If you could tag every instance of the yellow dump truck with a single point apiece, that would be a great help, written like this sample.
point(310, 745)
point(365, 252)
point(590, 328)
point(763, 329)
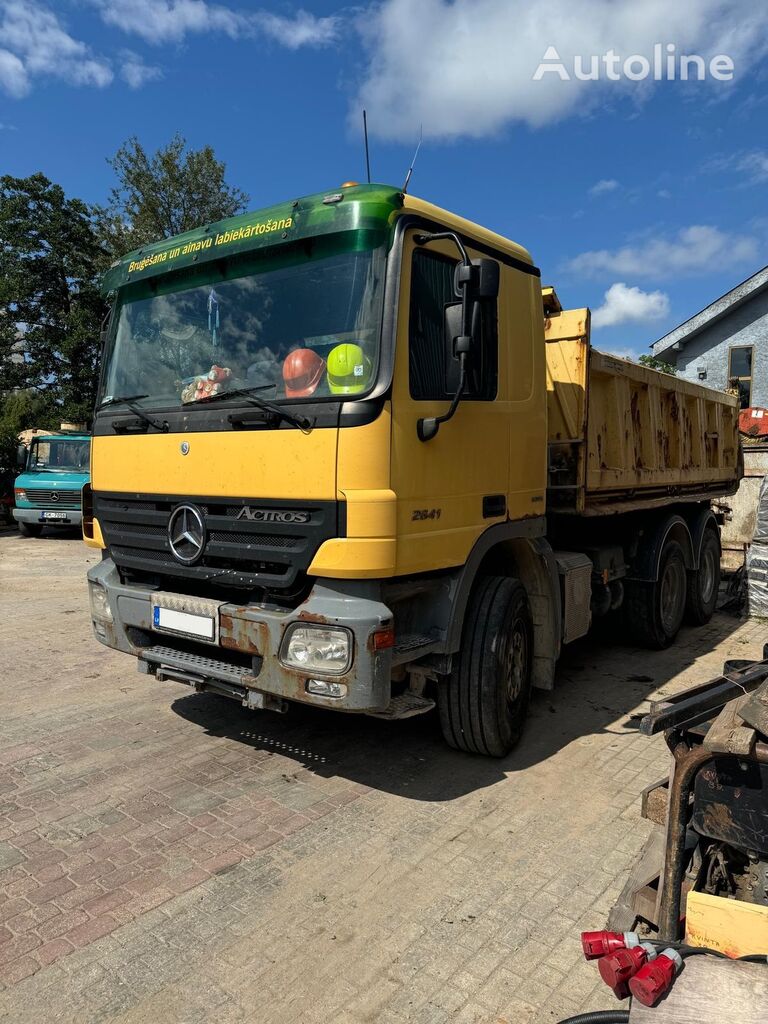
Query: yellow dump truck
point(348, 453)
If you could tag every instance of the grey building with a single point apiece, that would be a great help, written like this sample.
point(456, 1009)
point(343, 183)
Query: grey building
point(726, 344)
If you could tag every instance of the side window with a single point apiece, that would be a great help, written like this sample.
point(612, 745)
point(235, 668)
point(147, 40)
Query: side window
point(433, 371)
point(740, 373)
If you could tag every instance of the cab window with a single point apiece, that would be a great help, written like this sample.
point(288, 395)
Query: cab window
point(432, 366)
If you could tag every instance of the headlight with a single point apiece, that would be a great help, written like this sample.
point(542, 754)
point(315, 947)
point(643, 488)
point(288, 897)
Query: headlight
point(314, 649)
point(21, 494)
point(100, 610)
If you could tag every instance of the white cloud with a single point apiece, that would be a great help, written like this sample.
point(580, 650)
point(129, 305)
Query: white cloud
point(13, 75)
point(164, 21)
point(624, 304)
point(697, 249)
point(465, 67)
point(135, 72)
point(35, 44)
point(303, 29)
point(603, 186)
point(752, 164)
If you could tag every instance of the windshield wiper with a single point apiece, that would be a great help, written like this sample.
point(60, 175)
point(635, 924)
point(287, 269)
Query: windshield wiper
point(129, 400)
point(302, 422)
point(119, 398)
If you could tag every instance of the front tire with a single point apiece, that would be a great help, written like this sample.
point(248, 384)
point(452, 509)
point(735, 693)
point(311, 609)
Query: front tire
point(654, 611)
point(484, 702)
point(704, 583)
point(30, 529)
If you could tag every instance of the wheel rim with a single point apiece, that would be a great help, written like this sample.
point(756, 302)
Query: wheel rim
point(707, 573)
point(672, 592)
point(515, 662)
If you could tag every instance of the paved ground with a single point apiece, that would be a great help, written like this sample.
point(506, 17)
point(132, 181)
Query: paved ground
point(169, 856)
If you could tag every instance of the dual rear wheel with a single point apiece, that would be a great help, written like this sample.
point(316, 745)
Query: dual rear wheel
point(655, 611)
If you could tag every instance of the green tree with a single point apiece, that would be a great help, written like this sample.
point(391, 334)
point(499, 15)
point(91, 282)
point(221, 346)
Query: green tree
point(176, 189)
point(50, 306)
point(658, 364)
point(19, 411)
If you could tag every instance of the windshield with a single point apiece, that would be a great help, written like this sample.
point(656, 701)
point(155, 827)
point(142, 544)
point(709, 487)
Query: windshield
point(297, 328)
point(62, 455)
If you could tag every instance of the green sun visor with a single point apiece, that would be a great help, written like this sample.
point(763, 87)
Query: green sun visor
point(351, 208)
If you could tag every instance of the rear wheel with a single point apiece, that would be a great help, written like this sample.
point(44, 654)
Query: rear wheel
point(30, 529)
point(655, 610)
point(484, 702)
point(704, 583)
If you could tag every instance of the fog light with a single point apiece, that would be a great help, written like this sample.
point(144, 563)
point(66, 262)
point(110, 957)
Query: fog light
point(326, 688)
point(100, 630)
point(317, 649)
point(100, 610)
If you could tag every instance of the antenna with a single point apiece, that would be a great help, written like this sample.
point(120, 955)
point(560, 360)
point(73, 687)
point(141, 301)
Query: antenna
point(413, 162)
point(367, 158)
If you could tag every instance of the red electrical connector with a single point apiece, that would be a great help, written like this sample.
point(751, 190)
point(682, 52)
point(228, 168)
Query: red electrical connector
point(653, 979)
point(597, 944)
point(618, 967)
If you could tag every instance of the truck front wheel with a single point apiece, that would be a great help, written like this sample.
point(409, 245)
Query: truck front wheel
point(704, 583)
point(655, 610)
point(30, 529)
point(484, 702)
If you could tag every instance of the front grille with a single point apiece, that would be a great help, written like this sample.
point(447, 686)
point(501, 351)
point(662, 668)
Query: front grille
point(238, 552)
point(61, 497)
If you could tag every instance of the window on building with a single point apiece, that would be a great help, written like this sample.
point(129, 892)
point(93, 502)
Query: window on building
point(740, 373)
point(432, 289)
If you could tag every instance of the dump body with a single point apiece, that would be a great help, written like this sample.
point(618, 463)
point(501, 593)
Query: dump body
point(623, 436)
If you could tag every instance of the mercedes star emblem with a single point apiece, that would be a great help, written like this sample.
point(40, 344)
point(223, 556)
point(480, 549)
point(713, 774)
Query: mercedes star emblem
point(54, 496)
point(186, 533)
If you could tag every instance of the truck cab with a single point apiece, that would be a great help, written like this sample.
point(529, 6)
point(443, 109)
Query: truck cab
point(48, 492)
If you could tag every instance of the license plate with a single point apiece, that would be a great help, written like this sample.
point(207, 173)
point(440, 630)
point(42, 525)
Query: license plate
point(197, 618)
point(52, 515)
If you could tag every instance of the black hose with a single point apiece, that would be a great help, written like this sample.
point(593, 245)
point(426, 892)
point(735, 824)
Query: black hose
point(599, 1017)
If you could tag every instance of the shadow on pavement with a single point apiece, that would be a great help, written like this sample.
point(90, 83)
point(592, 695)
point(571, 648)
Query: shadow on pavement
point(598, 684)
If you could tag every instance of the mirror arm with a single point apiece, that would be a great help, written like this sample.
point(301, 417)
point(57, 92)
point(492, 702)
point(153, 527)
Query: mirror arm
point(427, 427)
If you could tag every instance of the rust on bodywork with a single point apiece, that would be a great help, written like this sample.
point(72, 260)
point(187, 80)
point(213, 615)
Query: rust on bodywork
point(238, 632)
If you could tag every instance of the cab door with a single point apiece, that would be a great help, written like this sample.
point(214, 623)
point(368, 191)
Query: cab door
point(487, 464)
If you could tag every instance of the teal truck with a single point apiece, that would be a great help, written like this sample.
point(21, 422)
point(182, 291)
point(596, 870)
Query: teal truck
point(49, 490)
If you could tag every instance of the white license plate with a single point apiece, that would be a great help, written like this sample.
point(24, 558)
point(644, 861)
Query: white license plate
point(53, 515)
point(184, 623)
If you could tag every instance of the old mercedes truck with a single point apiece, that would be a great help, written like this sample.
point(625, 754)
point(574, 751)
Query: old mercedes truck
point(347, 452)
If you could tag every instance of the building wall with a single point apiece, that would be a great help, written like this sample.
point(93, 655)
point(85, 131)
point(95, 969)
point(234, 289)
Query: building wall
point(746, 325)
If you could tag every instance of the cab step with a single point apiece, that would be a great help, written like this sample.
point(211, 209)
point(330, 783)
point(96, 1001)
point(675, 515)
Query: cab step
point(411, 646)
point(406, 705)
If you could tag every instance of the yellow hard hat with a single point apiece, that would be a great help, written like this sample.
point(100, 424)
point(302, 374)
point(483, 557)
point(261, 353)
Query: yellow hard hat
point(349, 370)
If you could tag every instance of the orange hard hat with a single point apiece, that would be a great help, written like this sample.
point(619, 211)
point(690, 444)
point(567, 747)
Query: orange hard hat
point(303, 370)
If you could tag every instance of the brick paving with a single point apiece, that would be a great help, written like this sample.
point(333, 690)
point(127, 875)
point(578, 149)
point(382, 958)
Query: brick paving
point(170, 856)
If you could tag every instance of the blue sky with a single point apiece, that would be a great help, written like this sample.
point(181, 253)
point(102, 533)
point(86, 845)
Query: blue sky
point(650, 193)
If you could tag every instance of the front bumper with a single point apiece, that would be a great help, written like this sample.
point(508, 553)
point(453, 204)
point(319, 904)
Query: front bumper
point(244, 663)
point(33, 515)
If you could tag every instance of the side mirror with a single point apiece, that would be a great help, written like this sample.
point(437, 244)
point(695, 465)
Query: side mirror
point(482, 279)
point(451, 367)
point(21, 456)
point(487, 281)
